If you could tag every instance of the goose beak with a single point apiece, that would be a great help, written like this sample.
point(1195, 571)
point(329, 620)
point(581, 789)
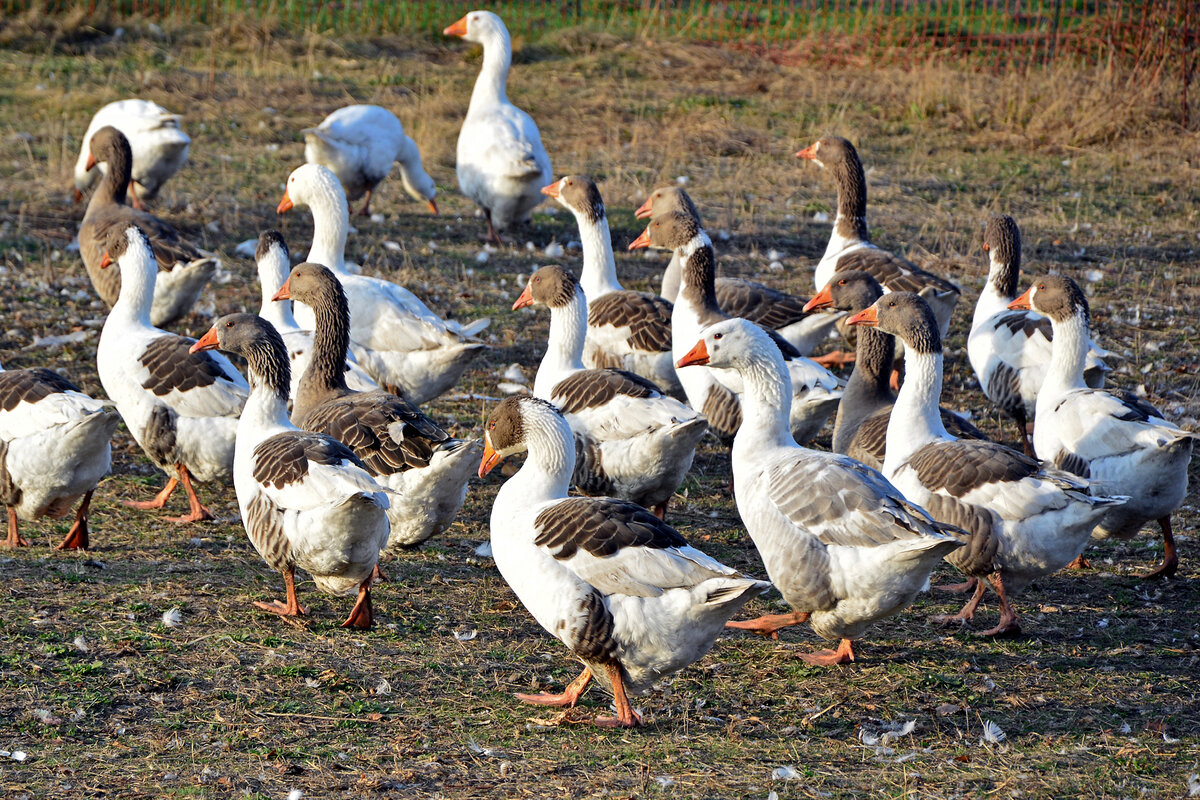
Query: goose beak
point(457, 29)
point(643, 211)
point(91, 163)
point(285, 204)
point(526, 299)
point(77, 196)
point(809, 152)
point(986, 247)
point(868, 316)
point(490, 458)
point(207, 342)
point(551, 190)
point(697, 355)
point(641, 241)
point(285, 291)
point(823, 299)
point(433, 207)
point(105, 262)
point(1024, 302)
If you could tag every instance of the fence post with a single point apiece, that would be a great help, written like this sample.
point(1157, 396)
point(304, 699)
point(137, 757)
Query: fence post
point(1054, 30)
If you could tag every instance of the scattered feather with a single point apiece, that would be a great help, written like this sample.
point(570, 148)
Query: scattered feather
point(466, 636)
point(555, 250)
point(481, 257)
point(784, 774)
point(1193, 784)
point(246, 249)
point(392, 247)
point(484, 550)
point(682, 180)
point(58, 341)
point(820, 216)
point(172, 618)
point(664, 781)
point(384, 687)
point(512, 388)
point(514, 374)
point(775, 266)
point(15, 755)
point(378, 218)
point(1093, 275)
point(81, 644)
point(1125, 729)
point(1169, 739)
point(295, 794)
point(992, 732)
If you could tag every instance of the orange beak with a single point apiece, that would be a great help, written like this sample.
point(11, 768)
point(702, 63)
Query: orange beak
point(457, 29)
point(641, 241)
point(551, 190)
point(868, 316)
point(986, 247)
point(78, 196)
point(697, 355)
point(285, 291)
point(823, 299)
point(285, 204)
point(643, 211)
point(91, 163)
point(105, 262)
point(809, 152)
point(207, 342)
point(490, 458)
point(1025, 301)
point(526, 299)
point(433, 207)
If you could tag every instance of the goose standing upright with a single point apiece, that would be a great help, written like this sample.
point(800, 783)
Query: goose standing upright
point(395, 337)
point(501, 163)
point(359, 144)
point(620, 588)
point(159, 147)
point(1112, 437)
point(181, 407)
point(842, 545)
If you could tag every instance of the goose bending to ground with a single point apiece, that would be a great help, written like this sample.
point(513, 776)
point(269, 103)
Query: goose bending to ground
point(842, 545)
point(632, 441)
point(306, 500)
point(405, 450)
point(183, 270)
point(784, 313)
point(501, 163)
point(181, 407)
point(815, 390)
point(620, 588)
point(159, 147)
point(1114, 438)
point(359, 144)
point(1009, 349)
point(54, 449)
point(403, 345)
point(860, 429)
point(1025, 520)
point(625, 329)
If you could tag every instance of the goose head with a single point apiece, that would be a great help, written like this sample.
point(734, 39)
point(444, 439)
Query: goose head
point(579, 195)
point(550, 286)
point(730, 344)
point(513, 424)
point(311, 184)
point(314, 285)
point(907, 317)
point(1002, 240)
point(254, 339)
point(130, 249)
point(852, 290)
point(829, 151)
point(665, 200)
point(477, 26)
point(108, 144)
point(1056, 296)
point(669, 231)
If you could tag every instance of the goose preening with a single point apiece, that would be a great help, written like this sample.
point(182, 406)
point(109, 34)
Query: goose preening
point(632, 441)
point(359, 144)
point(54, 449)
point(305, 498)
point(625, 329)
point(784, 313)
point(181, 407)
point(1010, 350)
point(401, 447)
point(815, 390)
point(183, 269)
point(860, 428)
point(159, 147)
point(501, 162)
point(842, 545)
point(400, 343)
point(1114, 438)
point(619, 587)
point(1025, 520)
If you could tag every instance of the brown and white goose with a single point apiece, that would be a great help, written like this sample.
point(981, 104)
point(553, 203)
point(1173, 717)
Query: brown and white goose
point(305, 498)
point(159, 145)
point(860, 429)
point(620, 588)
point(1025, 520)
point(183, 269)
point(402, 448)
point(632, 441)
point(625, 329)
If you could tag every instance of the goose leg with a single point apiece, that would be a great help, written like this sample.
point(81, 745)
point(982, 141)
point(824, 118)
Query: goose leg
point(133, 199)
point(768, 624)
point(836, 359)
point(828, 658)
point(292, 607)
point(77, 537)
point(1008, 617)
point(968, 611)
point(1023, 427)
point(1079, 563)
point(626, 716)
point(366, 209)
point(660, 510)
point(159, 500)
point(14, 539)
point(958, 588)
point(894, 381)
point(198, 512)
point(377, 575)
point(362, 615)
point(1170, 562)
point(492, 236)
point(567, 699)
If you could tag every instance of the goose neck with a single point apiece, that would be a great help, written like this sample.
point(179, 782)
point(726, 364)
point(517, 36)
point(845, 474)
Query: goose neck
point(277, 312)
point(270, 375)
point(326, 371)
point(1068, 355)
point(599, 267)
point(118, 171)
point(491, 87)
point(546, 473)
point(916, 420)
point(139, 271)
point(331, 223)
point(672, 276)
point(766, 402)
point(868, 390)
point(564, 348)
point(698, 275)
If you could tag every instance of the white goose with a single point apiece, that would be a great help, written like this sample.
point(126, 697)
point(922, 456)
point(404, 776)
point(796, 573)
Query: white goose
point(159, 147)
point(394, 336)
point(359, 144)
point(1114, 438)
point(501, 163)
point(633, 441)
point(306, 500)
point(181, 407)
point(619, 587)
point(54, 448)
point(274, 264)
point(1025, 520)
point(1010, 350)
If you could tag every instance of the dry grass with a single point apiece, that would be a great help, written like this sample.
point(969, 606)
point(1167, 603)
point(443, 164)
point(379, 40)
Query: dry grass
point(1098, 700)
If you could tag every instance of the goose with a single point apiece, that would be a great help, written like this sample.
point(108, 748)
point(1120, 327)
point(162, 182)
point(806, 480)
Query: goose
point(181, 407)
point(394, 336)
point(1010, 350)
point(306, 500)
point(183, 270)
point(815, 391)
point(54, 449)
point(274, 264)
point(738, 297)
point(633, 441)
point(1112, 437)
point(159, 147)
point(404, 449)
point(860, 428)
point(360, 143)
point(625, 329)
point(1026, 520)
point(619, 587)
point(842, 545)
point(501, 163)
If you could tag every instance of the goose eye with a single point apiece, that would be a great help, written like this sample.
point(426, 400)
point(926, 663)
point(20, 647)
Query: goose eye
point(892, 304)
point(229, 324)
point(718, 335)
point(492, 425)
point(842, 282)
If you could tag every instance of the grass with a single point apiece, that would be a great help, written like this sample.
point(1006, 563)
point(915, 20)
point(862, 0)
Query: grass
point(1099, 697)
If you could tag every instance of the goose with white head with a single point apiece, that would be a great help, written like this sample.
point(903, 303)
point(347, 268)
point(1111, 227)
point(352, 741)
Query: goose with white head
point(1026, 520)
point(158, 145)
point(842, 545)
point(620, 588)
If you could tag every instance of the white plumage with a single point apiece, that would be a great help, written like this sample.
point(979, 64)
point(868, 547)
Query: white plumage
point(159, 146)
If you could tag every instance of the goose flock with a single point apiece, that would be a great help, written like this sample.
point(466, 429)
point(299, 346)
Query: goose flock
point(335, 464)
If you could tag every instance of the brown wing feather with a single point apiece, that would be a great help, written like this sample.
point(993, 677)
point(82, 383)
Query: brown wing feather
point(959, 467)
point(30, 385)
point(169, 247)
point(366, 422)
point(869, 444)
point(760, 304)
point(647, 316)
point(589, 388)
point(284, 458)
point(172, 368)
point(601, 526)
point(895, 273)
